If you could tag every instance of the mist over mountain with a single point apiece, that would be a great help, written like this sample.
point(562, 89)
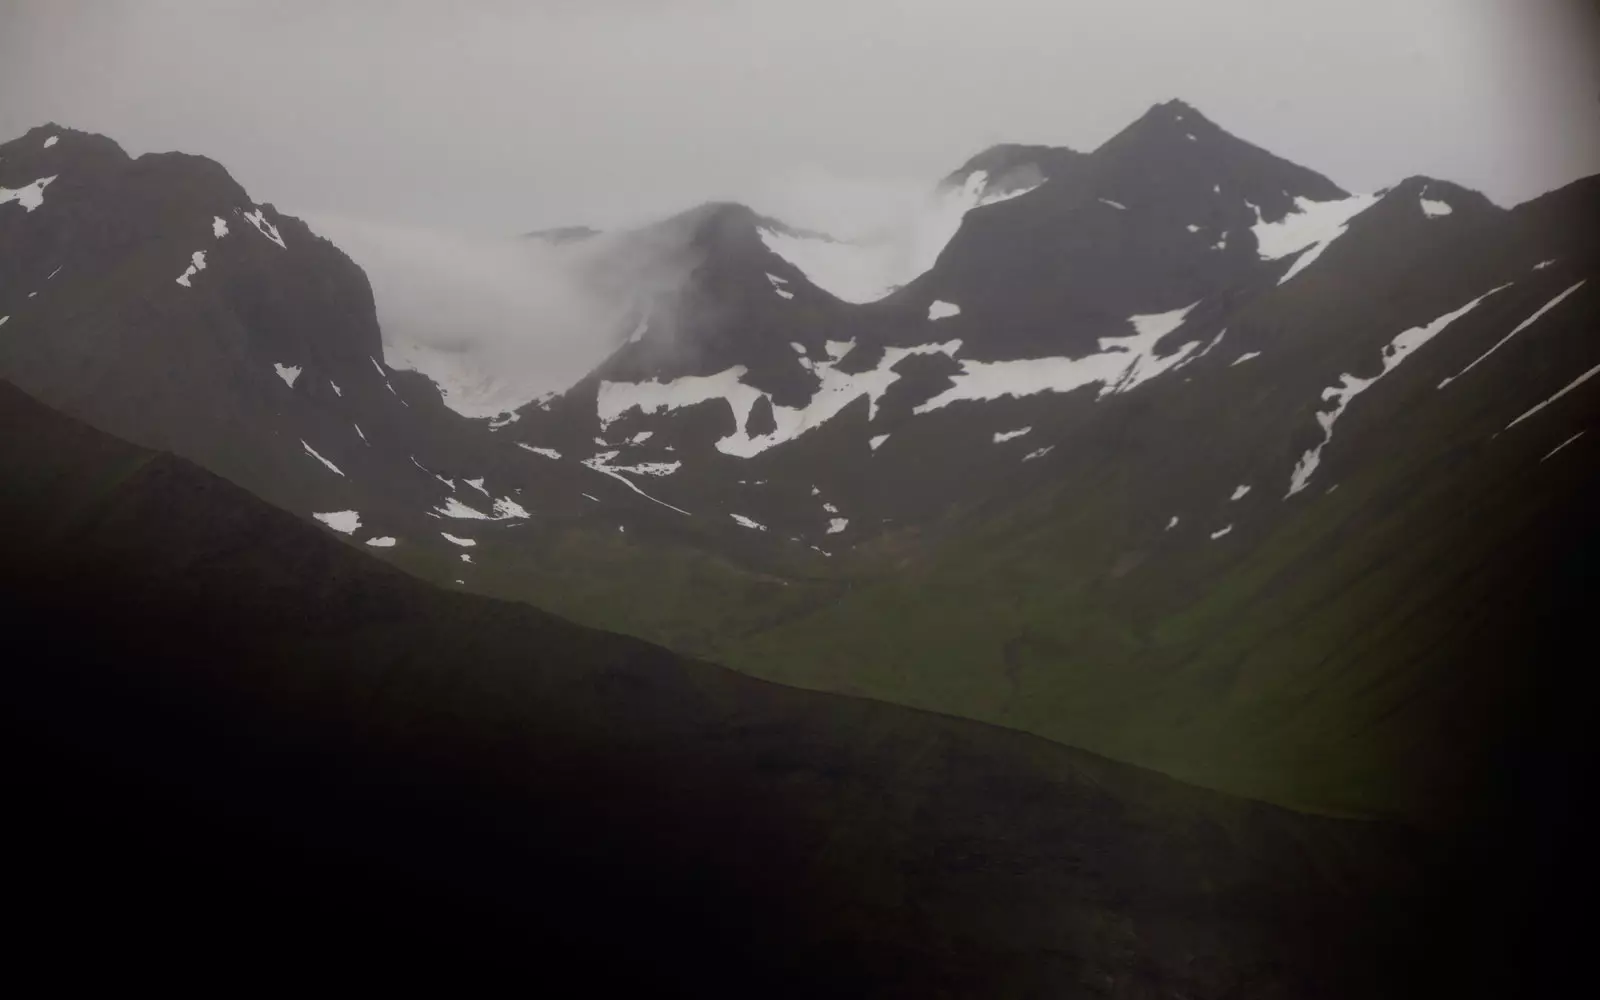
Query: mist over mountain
point(1138, 566)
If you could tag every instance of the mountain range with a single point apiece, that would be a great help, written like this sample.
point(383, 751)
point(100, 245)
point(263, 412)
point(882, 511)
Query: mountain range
point(1173, 453)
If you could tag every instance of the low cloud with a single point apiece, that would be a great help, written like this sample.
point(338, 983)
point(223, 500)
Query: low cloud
point(500, 321)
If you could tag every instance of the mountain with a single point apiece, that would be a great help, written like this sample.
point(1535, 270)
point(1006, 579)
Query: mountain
point(268, 745)
point(1120, 448)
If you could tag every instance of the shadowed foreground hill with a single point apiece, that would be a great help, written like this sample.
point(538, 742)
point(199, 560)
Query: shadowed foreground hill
point(257, 745)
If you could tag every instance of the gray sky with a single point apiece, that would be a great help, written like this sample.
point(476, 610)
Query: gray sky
point(501, 116)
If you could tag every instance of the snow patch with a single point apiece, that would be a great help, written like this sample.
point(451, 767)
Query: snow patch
point(1544, 264)
point(1040, 453)
point(1350, 386)
point(197, 263)
point(381, 542)
point(506, 508)
point(51, 141)
point(287, 372)
point(837, 349)
point(1220, 532)
point(1239, 492)
point(1114, 204)
point(1520, 327)
point(1241, 359)
point(546, 452)
point(335, 387)
point(3, 320)
point(477, 484)
point(29, 196)
point(1002, 436)
point(1586, 376)
point(1192, 228)
point(943, 310)
point(313, 453)
point(1311, 227)
point(838, 524)
point(1563, 444)
point(1121, 364)
point(219, 227)
point(460, 511)
point(877, 442)
point(747, 522)
point(598, 464)
point(343, 521)
point(837, 390)
point(359, 433)
point(1172, 523)
point(466, 557)
point(465, 543)
point(258, 219)
point(1434, 209)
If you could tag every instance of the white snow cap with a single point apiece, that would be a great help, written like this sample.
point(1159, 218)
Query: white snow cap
point(29, 196)
point(343, 521)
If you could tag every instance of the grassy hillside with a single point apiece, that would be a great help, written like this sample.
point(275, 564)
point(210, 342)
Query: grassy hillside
point(247, 736)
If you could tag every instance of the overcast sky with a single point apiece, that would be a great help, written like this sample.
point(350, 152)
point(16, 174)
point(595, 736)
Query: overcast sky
point(500, 116)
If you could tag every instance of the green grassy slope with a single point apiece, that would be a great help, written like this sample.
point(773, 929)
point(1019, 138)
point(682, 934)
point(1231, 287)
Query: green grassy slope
point(289, 744)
